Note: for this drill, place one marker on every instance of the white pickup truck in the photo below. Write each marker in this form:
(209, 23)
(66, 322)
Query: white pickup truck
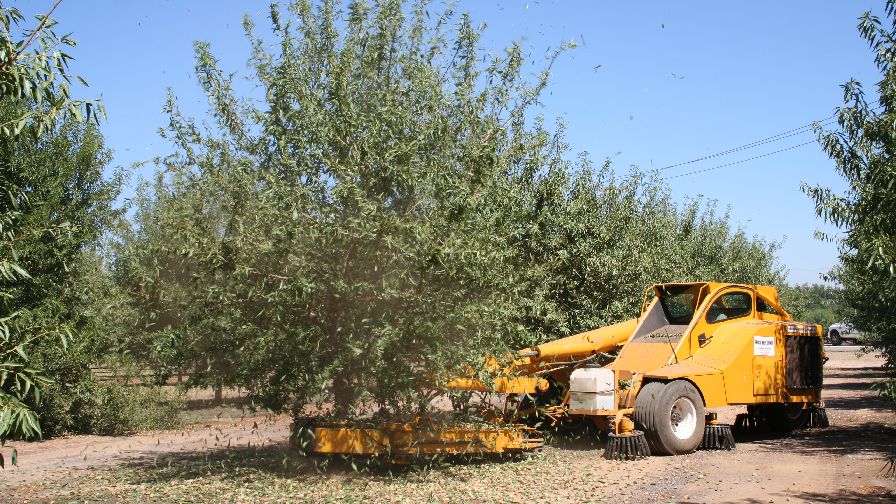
(840, 332)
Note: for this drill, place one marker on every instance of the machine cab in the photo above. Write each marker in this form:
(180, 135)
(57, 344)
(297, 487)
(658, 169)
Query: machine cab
(677, 319)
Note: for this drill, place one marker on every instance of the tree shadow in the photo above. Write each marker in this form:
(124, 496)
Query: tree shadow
(857, 402)
(585, 441)
(872, 439)
(857, 373)
(851, 386)
(241, 403)
(279, 460)
(271, 459)
(857, 388)
(860, 495)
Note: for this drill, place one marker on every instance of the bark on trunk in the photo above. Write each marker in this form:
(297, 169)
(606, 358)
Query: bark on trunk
(343, 394)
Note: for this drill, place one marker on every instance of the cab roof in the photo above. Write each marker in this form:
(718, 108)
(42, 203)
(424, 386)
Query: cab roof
(769, 292)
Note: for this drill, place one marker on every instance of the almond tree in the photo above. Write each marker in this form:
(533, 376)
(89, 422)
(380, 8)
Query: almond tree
(384, 209)
(862, 148)
(38, 238)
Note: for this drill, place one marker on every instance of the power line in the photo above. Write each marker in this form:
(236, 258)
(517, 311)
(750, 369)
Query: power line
(774, 138)
(741, 161)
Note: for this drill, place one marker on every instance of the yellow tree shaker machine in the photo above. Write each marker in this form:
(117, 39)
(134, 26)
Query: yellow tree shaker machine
(695, 346)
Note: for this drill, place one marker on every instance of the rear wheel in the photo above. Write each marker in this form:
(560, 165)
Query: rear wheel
(672, 416)
(835, 338)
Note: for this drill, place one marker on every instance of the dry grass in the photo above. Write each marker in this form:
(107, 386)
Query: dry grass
(275, 474)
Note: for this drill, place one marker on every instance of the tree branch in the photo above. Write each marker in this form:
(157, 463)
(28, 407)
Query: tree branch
(40, 27)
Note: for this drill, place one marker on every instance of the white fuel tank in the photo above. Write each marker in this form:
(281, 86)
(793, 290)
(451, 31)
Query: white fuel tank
(592, 389)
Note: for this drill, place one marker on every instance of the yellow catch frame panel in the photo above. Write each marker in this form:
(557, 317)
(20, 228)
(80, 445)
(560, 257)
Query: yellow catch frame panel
(404, 440)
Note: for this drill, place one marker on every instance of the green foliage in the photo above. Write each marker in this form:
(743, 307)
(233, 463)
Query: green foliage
(107, 407)
(34, 70)
(38, 239)
(390, 211)
(112, 408)
(55, 207)
(815, 303)
(591, 242)
(862, 148)
(121, 409)
(887, 389)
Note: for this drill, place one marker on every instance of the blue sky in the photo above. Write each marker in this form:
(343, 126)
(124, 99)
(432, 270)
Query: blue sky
(651, 85)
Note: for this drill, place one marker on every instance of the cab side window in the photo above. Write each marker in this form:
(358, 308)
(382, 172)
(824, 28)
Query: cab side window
(730, 306)
(763, 306)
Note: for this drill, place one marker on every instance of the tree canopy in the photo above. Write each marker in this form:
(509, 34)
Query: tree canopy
(34, 70)
(862, 148)
(387, 209)
(54, 203)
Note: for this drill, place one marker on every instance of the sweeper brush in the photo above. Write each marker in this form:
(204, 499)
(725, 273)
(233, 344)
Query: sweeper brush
(717, 437)
(628, 446)
(748, 423)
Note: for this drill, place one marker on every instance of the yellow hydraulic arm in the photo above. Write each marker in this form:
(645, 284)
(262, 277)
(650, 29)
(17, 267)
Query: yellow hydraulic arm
(524, 374)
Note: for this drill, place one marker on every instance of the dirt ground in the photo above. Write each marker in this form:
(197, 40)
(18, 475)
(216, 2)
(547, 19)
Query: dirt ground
(229, 455)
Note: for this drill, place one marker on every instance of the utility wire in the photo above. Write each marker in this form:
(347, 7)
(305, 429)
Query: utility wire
(774, 138)
(741, 161)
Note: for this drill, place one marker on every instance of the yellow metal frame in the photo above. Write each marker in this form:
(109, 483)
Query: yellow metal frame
(402, 441)
(524, 372)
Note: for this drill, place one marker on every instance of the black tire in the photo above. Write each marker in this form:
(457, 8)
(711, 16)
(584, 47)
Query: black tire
(835, 338)
(644, 405)
(672, 416)
(787, 417)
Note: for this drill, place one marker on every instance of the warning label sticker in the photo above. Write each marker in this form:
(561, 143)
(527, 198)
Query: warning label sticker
(764, 345)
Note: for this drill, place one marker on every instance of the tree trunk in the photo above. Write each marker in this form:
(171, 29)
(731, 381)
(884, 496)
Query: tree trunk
(343, 394)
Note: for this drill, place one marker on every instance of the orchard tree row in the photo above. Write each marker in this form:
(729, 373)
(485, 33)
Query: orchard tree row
(387, 209)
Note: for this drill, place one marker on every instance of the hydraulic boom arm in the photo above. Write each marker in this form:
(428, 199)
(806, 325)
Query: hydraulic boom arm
(524, 374)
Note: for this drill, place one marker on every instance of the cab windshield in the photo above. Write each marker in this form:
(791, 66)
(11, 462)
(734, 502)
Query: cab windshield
(679, 302)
